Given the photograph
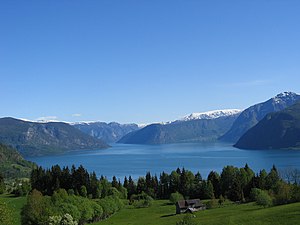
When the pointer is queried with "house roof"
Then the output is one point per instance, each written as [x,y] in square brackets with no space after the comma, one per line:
[181,204]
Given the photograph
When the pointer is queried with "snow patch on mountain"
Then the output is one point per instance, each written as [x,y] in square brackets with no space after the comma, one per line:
[284,96]
[211,114]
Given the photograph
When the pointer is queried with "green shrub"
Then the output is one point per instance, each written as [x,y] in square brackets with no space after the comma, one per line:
[5,214]
[187,220]
[175,197]
[212,203]
[264,199]
[66,219]
[221,200]
[254,193]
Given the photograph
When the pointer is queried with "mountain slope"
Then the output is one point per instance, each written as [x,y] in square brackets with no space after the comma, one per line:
[12,164]
[211,114]
[108,132]
[252,115]
[44,138]
[181,131]
[278,130]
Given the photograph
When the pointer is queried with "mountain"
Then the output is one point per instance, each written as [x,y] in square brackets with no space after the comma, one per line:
[181,131]
[12,164]
[280,130]
[252,115]
[33,139]
[108,132]
[211,114]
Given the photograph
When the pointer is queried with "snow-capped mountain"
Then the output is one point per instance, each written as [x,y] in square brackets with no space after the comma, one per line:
[284,97]
[252,115]
[211,114]
[197,127]
[108,132]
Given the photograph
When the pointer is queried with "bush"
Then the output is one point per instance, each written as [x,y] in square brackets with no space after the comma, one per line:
[261,197]
[187,220]
[221,200]
[284,194]
[175,197]
[254,193]
[83,191]
[211,204]
[141,200]
[5,214]
[66,219]
[296,193]
[142,203]
[37,209]
[264,199]
[109,205]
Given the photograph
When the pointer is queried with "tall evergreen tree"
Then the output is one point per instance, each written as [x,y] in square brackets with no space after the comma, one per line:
[214,178]
[183,185]
[131,189]
[272,179]
[115,182]
[125,183]
[141,185]
[164,191]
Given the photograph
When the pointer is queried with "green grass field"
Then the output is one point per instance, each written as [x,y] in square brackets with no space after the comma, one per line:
[161,213]
[245,214]
[15,204]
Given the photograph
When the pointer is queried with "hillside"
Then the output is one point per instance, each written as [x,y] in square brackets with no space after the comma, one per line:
[161,213]
[252,115]
[31,138]
[278,130]
[12,164]
[108,132]
[181,131]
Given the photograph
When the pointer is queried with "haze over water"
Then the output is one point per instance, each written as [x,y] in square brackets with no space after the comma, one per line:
[135,160]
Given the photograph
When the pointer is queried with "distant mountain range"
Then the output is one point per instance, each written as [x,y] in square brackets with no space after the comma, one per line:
[40,138]
[108,132]
[252,115]
[45,138]
[186,130]
[279,130]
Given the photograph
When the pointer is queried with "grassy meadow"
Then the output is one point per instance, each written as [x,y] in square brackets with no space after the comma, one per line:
[161,213]
[15,204]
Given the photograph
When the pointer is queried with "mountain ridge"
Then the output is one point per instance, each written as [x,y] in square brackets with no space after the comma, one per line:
[278,130]
[180,131]
[108,132]
[31,138]
[213,114]
[12,164]
[253,114]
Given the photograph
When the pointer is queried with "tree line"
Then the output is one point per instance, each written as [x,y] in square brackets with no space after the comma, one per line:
[233,183]
[63,194]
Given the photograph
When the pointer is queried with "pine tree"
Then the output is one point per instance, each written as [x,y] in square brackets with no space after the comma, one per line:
[131,187]
[114,182]
[125,183]
[214,178]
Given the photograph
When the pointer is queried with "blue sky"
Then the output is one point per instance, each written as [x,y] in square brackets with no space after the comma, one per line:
[144,61]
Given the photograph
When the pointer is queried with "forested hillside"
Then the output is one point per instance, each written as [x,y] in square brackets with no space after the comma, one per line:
[12,164]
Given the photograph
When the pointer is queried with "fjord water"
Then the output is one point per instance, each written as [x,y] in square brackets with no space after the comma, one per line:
[123,159]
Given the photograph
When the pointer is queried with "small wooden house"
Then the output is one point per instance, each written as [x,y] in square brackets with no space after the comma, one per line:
[191,205]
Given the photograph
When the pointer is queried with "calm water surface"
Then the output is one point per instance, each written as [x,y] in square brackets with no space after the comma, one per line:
[135,160]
